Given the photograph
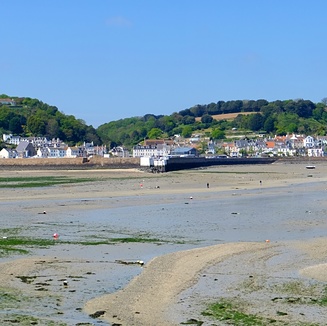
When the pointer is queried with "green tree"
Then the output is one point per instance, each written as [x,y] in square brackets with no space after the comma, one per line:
[91,136]
[150,123]
[187,131]
[284,120]
[206,118]
[232,106]
[155,133]
[300,107]
[318,112]
[5,116]
[166,123]
[292,127]
[269,124]
[36,125]
[212,109]
[185,112]
[188,120]
[198,110]
[217,134]
[135,136]
[16,125]
[255,121]
[52,129]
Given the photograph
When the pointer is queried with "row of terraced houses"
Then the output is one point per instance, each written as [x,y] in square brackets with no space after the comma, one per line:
[27,147]
[290,145]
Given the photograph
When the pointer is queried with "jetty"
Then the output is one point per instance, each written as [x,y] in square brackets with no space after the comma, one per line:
[166,164]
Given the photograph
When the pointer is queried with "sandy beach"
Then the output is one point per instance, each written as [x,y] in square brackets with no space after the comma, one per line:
[177,281]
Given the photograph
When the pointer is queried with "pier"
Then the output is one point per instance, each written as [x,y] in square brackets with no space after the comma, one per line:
[157,165]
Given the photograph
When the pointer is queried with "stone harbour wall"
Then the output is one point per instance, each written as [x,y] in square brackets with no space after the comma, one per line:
[96,162]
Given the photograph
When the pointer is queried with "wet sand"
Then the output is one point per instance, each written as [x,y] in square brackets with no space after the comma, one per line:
[160,295]
[147,299]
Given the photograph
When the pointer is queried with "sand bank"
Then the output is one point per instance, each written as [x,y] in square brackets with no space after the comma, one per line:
[153,296]
[146,300]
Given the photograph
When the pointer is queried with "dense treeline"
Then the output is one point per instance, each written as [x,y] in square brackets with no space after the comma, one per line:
[278,117]
[32,117]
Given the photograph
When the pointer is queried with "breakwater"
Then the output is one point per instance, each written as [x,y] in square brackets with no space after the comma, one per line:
[181,163]
[173,164]
[165,164]
[96,162]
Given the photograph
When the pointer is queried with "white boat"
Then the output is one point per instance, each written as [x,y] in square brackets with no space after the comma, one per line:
[310,167]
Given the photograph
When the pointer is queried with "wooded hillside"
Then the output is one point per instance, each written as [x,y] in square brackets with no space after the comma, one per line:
[31,117]
[214,119]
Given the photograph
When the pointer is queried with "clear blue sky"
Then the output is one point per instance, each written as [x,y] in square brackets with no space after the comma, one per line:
[104,60]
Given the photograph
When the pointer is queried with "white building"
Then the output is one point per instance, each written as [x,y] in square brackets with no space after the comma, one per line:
[10,139]
[119,151]
[309,142]
[315,152]
[8,153]
[55,152]
[74,152]
[160,150]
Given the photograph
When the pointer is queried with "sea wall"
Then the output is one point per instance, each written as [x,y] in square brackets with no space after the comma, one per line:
[302,160]
[182,163]
[96,162]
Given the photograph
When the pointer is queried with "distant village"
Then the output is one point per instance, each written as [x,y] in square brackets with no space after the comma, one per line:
[278,146]
[41,147]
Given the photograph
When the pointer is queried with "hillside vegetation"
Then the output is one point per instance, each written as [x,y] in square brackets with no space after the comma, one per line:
[31,117]
[216,119]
